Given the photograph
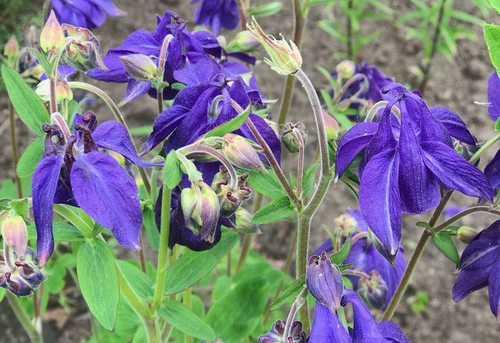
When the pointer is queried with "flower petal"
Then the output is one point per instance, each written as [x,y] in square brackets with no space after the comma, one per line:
[454,124]
[494,96]
[44,188]
[392,332]
[365,326]
[494,289]
[380,201]
[352,143]
[468,282]
[109,195]
[454,171]
[492,171]
[327,327]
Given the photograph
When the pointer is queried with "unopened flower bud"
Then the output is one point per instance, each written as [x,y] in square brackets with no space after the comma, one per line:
[345,69]
[11,49]
[63,90]
[229,202]
[243,42]
[332,127]
[140,67]
[346,224]
[284,57]
[293,136]
[244,222]
[324,281]
[373,290]
[15,233]
[241,153]
[201,209]
[466,234]
[52,35]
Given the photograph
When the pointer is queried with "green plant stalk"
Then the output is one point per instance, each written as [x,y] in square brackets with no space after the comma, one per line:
[488,144]
[161,272]
[435,42]
[458,216]
[22,317]
[289,86]
[350,50]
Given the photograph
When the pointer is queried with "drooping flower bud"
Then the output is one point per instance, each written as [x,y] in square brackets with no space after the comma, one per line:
[243,42]
[332,127]
[466,234]
[140,67]
[294,135]
[83,51]
[345,69]
[241,153]
[15,233]
[284,57]
[63,90]
[373,290]
[52,35]
[201,209]
[295,334]
[324,281]
[11,49]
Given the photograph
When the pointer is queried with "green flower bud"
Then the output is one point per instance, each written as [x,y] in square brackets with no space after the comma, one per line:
[293,136]
[466,234]
[345,69]
[63,90]
[331,125]
[52,36]
[11,49]
[83,50]
[244,222]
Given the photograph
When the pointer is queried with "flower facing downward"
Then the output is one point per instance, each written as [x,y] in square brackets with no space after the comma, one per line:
[324,281]
[284,57]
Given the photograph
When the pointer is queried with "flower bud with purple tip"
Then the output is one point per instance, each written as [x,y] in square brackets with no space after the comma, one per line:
[241,153]
[140,67]
[324,281]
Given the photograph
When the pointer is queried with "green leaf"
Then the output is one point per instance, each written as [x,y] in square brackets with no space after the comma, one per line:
[495,4]
[77,217]
[188,167]
[497,125]
[290,292]
[310,179]
[234,316]
[266,183]
[172,173]
[137,279]
[277,211]
[443,241]
[27,104]
[230,126]
[183,319]
[339,257]
[97,276]
[492,38]
[194,265]
[266,10]
[30,158]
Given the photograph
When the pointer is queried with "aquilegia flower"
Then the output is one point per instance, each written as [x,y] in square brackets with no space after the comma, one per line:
[492,171]
[494,96]
[375,278]
[480,267]
[76,171]
[406,162]
[217,14]
[85,13]
[327,327]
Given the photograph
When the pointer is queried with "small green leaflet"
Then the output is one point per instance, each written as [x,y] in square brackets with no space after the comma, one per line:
[266,10]
[183,319]
[495,4]
[27,104]
[290,293]
[30,158]
[444,242]
[266,183]
[97,276]
[77,217]
[230,126]
[340,256]
[172,173]
[492,38]
[277,211]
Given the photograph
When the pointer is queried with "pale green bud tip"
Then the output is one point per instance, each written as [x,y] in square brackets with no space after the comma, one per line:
[331,125]
[139,66]
[52,35]
[284,57]
[345,69]
[11,48]
[466,234]
[15,233]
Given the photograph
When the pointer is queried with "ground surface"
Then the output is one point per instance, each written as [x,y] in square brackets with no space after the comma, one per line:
[454,84]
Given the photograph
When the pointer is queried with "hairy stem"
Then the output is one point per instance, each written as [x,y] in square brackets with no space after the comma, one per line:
[289,86]
[302,248]
[434,45]
[22,317]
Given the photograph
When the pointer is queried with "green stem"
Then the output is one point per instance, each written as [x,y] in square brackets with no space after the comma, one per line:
[458,216]
[33,334]
[163,253]
[302,248]
[289,86]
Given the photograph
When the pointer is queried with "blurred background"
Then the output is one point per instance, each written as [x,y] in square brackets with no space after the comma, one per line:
[388,38]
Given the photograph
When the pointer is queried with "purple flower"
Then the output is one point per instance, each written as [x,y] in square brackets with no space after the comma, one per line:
[480,267]
[370,86]
[406,161]
[324,281]
[85,13]
[76,171]
[217,14]
[328,328]
[295,333]
[492,171]
[494,96]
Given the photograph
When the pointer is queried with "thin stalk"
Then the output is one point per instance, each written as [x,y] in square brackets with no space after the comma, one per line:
[458,216]
[161,273]
[248,239]
[489,143]
[434,46]
[289,86]
[415,258]
[53,99]
[350,50]
[160,101]
[229,264]
[33,334]
[243,6]
[300,166]
[15,154]
[302,251]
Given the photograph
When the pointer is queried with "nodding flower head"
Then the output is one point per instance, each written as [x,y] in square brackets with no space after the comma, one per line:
[294,136]
[284,57]
[324,281]
[277,334]
[241,153]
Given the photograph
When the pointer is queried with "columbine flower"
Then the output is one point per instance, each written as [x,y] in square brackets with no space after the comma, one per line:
[324,281]
[217,14]
[327,327]
[492,171]
[284,57]
[381,275]
[19,271]
[76,171]
[85,13]
[494,96]
[295,334]
[480,267]
[406,162]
